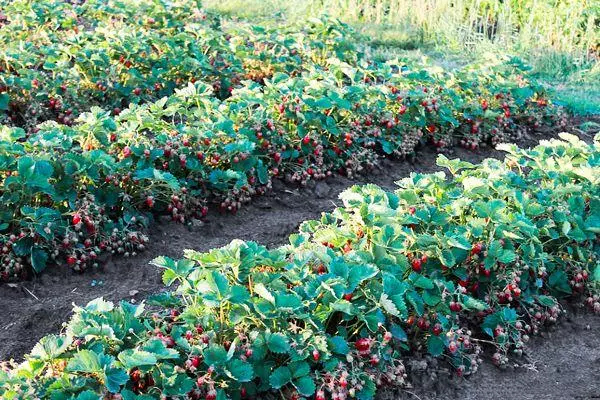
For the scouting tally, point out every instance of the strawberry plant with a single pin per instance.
(117, 53)
(174, 155)
(445, 264)
(127, 110)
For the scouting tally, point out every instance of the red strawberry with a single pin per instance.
(452, 346)
(316, 355)
(477, 247)
(363, 344)
(76, 219)
(211, 395)
(416, 265)
(150, 201)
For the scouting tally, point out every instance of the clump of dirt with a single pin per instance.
(568, 360)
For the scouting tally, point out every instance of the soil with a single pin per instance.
(566, 364)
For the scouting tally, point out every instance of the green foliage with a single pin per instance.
(314, 315)
(73, 191)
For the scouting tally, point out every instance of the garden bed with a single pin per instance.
(35, 308)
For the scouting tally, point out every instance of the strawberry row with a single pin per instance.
(61, 58)
(71, 193)
(439, 266)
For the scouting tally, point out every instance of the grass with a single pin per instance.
(559, 38)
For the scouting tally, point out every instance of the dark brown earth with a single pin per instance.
(565, 364)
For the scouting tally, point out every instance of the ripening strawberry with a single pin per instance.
(348, 296)
(150, 201)
(452, 346)
(477, 247)
(211, 395)
(363, 344)
(127, 151)
(71, 260)
(320, 395)
(316, 355)
(196, 361)
(416, 265)
(76, 219)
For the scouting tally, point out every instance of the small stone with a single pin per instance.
(133, 292)
(195, 225)
(322, 189)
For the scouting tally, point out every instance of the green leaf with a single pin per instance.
(263, 292)
(114, 378)
(50, 347)
(159, 350)
(559, 281)
(240, 371)
(398, 333)
(388, 305)
(262, 173)
(546, 301)
(84, 361)
(421, 281)
(39, 258)
(507, 256)
(359, 274)
(435, 345)
(596, 274)
(368, 390)
(90, 395)
(219, 284)
(215, 355)
(305, 386)
(278, 343)
(473, 304)
(299, 368)
(280, 377)
(338, 345)
(132, 358)
(417, 302)
(4, 100)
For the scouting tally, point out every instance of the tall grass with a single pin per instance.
(567, 26)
